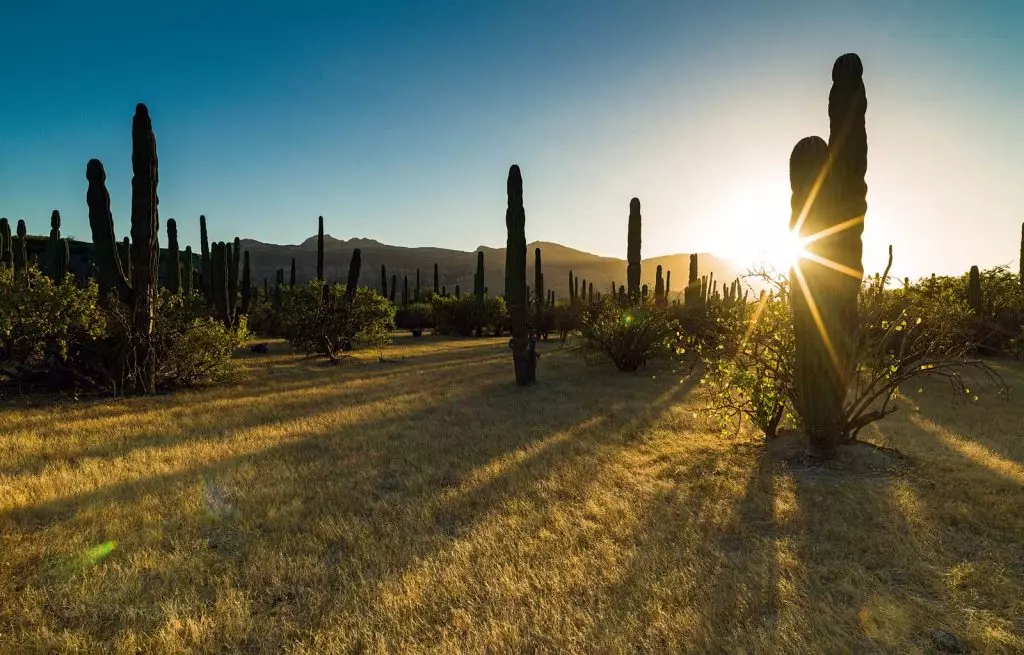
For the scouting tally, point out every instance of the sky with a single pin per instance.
(398, 121)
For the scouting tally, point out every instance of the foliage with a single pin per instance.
(415, 317)
(899, 338)
(466, 315)
(630, 336)
(192, 347)
(324, 324)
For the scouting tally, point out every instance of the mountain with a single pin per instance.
(456, 267)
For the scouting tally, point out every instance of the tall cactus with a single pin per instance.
(633, 250)
(437, 281)
(478, 277)
(659, 287)
(186, 273)
(352, 282)
(172, 267)
(394, 287)
(572, 289)
(21, 255)
(383, 281)
(974, 291)
(145, 250)
(124, 253)
(668, 284)
(417, 296)
(538, 287)
(6, 244)
(291, 275)
(405, 290)
(58, 254)
(524, 356)
(320, 250)
(220, 257)
(234, 261)
(110, 275)
(246, 284)
(205, 264)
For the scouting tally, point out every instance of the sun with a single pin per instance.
(750, 227)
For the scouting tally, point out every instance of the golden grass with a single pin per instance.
(432, 506)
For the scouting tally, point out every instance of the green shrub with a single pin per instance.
(326, 328)
(415, 317)
(193, 348)
(466, 315)
(629, 336)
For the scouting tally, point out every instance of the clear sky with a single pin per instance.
(398, 120)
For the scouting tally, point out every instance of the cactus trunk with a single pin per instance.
(437, 282)
(291, 275)
(524, 354)
(172, 269)
(538, 289)
(974, 291)
(234, 261)
(633, 250)
(320, 251)
(145, 248)
(478, 277)
(110, 275)
(394, 287)
(205, 265)
(186, 273)
(659, 287)
(21, 255)
(383, 281)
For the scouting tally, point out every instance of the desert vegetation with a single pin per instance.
(351, 465)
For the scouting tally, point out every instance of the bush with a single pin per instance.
(193, 348)
(415, 318)
(326, 325)
(629, 336)
(466, 315)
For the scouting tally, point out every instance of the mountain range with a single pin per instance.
(456, 267)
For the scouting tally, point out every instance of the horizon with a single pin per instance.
(402, 130)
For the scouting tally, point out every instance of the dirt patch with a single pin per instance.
(860, 458)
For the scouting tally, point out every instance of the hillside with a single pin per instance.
(456, 267)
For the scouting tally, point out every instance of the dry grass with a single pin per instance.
(430, 505)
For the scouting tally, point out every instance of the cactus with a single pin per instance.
(524, 356)
(235, 250)
(444, 291)
(291, 275)
(172, 271)
(405, 291)
(60, 252)
(320, 251)
(668, 284)
(659, 287)
(622, 293)
(437, 286)
(973, 290)
(417, 295)
(572, 292)
(633, 250)
(394, 287)
(205, 264)
(124, 254)
(590, 293)
(220, 255)
(692, 293)
(643, 293)
(478, 277)
(383, 281)
(278, 283)
(110, 275)
(825, 341)
(538, 289)
(352, 282)
(246, 284)
(186, 276)
(20, 255)
(145, 249)
(6, 245)
(458, 292)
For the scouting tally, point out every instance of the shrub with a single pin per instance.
(629, 336)
(193, 348)
(466, 315)
(324, 324)
(415, 317)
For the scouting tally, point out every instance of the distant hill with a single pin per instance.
(456, 267)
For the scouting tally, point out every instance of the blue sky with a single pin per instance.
(398, 120)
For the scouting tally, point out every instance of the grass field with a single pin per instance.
(429, 505)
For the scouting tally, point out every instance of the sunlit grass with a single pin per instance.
(431, 506)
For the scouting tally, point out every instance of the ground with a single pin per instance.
(429, 505)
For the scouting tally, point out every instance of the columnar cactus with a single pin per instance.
(417, 296)
(246, 283)
(291, 275)
(383, 281)
(110, 275)
(320, 251)
(458, 292)
(693, 291)
(6, 245)
(478, 277)
(973, 290)
(590, 293)
(352, 282)
(633, 250)
(572, 289)
(172, 266)
(21, 255)
(220, 255)
(643, 293)
(524, 356)
(405, 291)
(145, 249)
(124, 253)
(437, 281)
(659, 287)
(58, 254)
(235, 250)
(668, 284)
(394, 287)
(205, 264)
(538, 288)
(186, 274)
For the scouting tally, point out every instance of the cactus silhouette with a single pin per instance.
(205, 264)
(172, 266)
(974, 290)
(633, 250)
(524, 356)
(320, 250)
